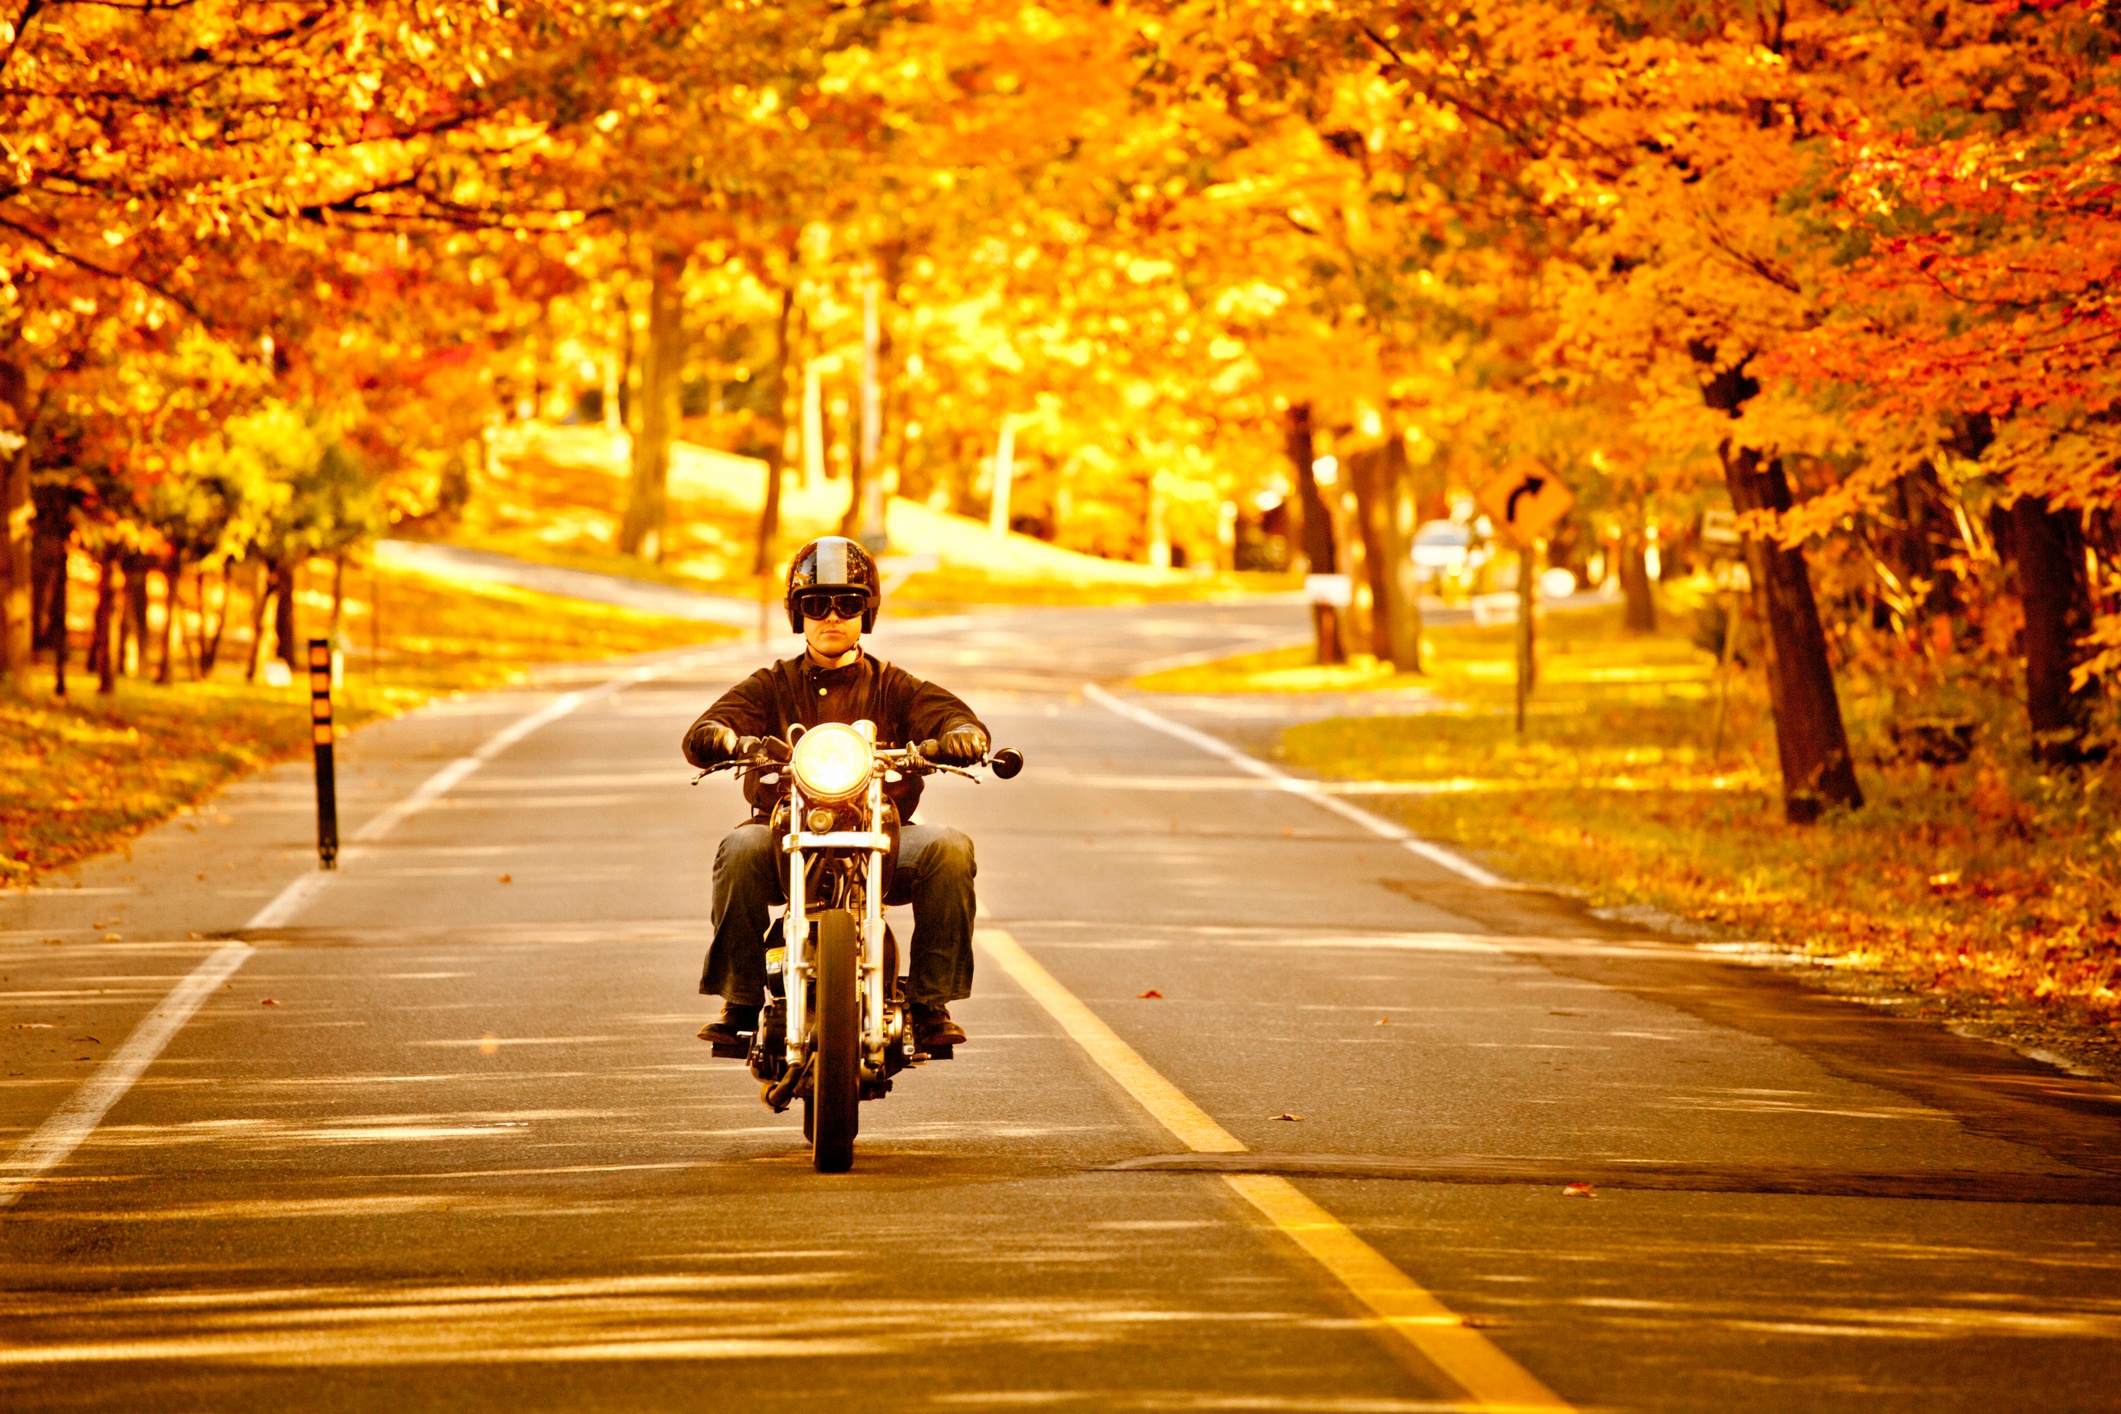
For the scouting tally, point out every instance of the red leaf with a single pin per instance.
(1578, 1190)
(1151, 995)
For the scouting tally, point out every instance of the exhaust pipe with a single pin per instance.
(779, 1094)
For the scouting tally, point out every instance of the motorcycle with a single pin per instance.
(834, 1031)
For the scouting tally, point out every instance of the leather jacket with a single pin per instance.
(796, 690)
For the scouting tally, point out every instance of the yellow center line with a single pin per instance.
(1407, 1310)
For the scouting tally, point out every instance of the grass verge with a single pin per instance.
(81, 774)
(1993, 879)
(550, 498)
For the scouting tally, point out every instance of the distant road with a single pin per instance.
(490, 567)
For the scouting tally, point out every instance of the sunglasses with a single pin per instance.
(849, 605)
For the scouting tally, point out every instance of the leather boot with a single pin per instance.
(934, 1032)
(730, 1033)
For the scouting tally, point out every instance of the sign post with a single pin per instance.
(1524, 503)
(1525, 571)
(320, 744)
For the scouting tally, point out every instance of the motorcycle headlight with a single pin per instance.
(832, 762)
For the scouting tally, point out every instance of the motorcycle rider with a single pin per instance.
(832, 597)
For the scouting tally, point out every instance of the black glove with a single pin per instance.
(712, 742)
(962, 745)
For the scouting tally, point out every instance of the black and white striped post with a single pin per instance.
(320, 741)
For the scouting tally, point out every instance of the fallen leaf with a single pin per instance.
(110, 938)
(1151, 995)
(489, 1045)
(1384, 1021)
(1294, 1119)
(268, 1002)
(1578, 1190)
(508, 878)
(90, 1039)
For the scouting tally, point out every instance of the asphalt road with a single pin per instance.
(445, 1139)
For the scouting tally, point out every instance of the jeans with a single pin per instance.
(750, 876)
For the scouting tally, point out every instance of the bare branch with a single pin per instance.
(125, 277)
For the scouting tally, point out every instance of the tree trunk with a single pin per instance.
(865, 503)
(1384, 500)
(55, 627)
(258, 603)
(1357, 621)
(1316, 533)
(286, 641)
(54, 531)
(1640, 615)
(172, 583)
(814, 469)
(17, 601)
(134, 657)
(209, 644)
(626, 362)
(1809, 736)
(1156, 519)
(777, 450)
(648, 492)
(102, 645)
(2047, 551)
(453, 490)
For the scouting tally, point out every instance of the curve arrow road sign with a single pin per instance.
(1525, 502)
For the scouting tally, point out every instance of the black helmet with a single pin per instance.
(833, 562)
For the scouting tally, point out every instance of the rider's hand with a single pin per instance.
(770, 747)
(962, 745)
(715, 742)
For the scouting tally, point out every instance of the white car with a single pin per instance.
(1442, 546)
(1447, 558)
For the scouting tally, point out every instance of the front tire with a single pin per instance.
(836, 1077)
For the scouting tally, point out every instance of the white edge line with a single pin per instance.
(66, 1128)
(1296, 785)
(75, 1120)
(291, 900)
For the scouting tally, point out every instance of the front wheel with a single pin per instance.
(836, 1077)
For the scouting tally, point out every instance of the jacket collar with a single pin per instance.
(807, 670)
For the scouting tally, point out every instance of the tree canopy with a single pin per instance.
(1844, 270)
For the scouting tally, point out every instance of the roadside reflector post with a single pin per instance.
(320, 743)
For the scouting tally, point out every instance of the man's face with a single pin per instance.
(835, 634)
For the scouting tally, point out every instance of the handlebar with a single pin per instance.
(1006, 763)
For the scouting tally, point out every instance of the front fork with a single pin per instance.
(880, 1030)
